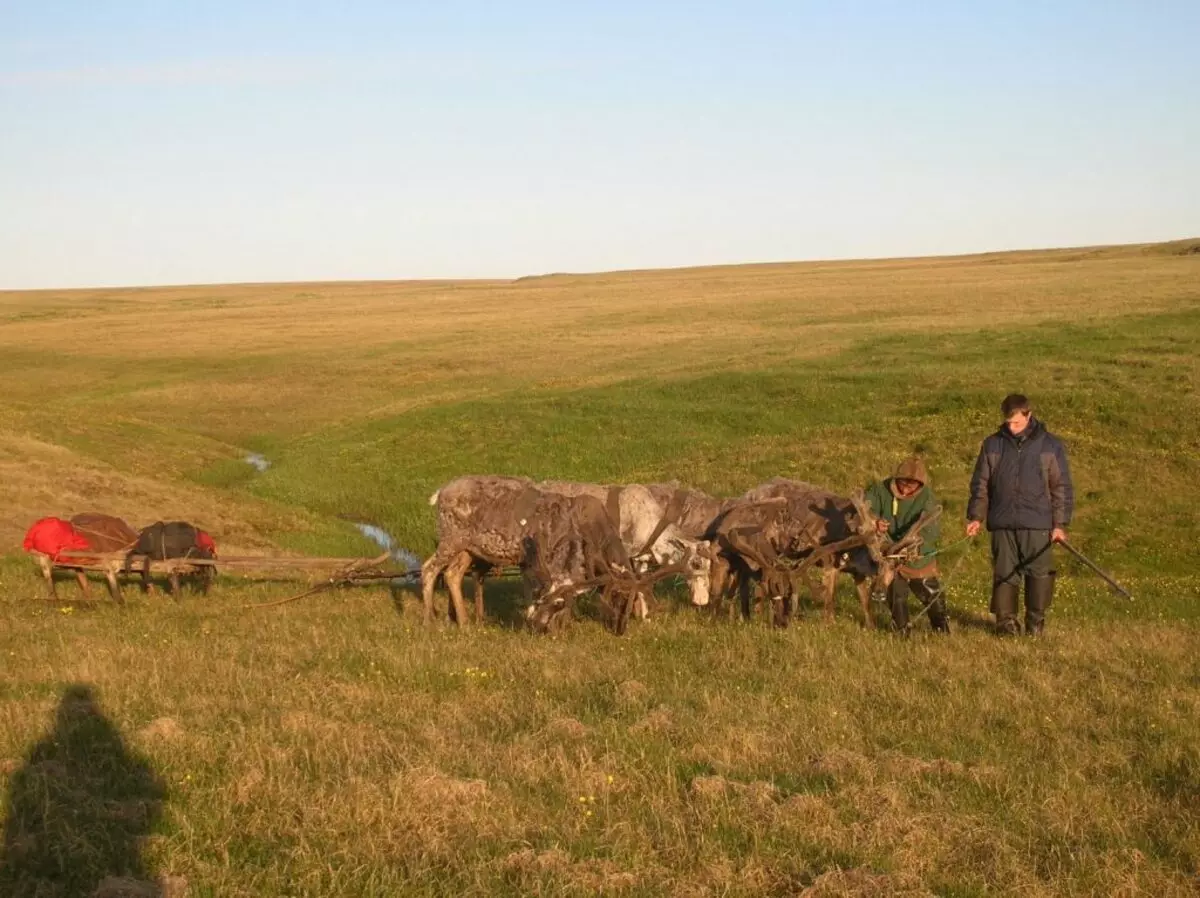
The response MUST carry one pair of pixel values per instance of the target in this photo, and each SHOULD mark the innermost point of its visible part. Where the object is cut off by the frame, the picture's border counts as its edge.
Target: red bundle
(52, 536)
(204, 541)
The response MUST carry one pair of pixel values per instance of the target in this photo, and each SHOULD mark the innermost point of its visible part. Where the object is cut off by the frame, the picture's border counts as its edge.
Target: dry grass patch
(657, 721)
(43, 479)
(864, 884)
(567, 728)
(164, 729)
(127, 887)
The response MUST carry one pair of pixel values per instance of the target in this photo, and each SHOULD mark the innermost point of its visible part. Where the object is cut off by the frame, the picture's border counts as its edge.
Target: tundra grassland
(335, 746)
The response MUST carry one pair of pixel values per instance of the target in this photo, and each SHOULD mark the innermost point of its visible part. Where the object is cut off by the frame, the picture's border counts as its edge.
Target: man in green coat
(898, 502)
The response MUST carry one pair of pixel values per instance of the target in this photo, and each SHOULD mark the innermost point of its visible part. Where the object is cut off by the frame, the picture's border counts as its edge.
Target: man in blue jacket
(1022, 488)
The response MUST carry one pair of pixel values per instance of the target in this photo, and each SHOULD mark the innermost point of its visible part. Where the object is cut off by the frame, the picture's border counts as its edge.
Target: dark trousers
(1021, 553)
(928, 591)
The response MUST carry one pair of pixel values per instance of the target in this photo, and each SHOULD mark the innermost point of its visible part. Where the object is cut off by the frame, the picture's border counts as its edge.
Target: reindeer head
(885, 557)
(699, 564)
(695, 557)
(871, 560)
(864, 524)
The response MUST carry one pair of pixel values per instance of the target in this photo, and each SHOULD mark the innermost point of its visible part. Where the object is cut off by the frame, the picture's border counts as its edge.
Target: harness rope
(357, 571)
(124, 547)
(925, 606)
(952, 545)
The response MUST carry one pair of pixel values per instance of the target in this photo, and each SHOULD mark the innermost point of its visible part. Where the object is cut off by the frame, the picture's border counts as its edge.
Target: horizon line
(703, 266)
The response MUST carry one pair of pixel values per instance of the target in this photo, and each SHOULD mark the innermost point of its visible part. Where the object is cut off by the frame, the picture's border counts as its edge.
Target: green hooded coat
(901, 513)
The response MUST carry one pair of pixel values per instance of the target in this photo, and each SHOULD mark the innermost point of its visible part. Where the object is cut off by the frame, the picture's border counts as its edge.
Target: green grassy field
(334, 746)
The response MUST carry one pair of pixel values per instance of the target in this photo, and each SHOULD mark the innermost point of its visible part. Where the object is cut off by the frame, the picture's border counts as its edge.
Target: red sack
(204, 541)
(50, 536)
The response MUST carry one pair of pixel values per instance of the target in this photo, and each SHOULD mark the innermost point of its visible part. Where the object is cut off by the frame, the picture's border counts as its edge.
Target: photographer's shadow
(78, 809)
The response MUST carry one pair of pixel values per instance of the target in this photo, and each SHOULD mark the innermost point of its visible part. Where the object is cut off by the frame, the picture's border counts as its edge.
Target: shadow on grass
(78, 808)
(969, 620)
(503, 600)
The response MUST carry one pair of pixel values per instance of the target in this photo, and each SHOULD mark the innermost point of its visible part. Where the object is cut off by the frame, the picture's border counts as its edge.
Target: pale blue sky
(156, 142)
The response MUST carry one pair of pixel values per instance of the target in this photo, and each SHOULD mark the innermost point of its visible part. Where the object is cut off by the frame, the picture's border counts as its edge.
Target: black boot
(1004, 606)
(898, 603)
(935, 597)
(1039, 591)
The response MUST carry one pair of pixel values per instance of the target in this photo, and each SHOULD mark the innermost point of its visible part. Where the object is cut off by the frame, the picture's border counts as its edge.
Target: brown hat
(912, 468)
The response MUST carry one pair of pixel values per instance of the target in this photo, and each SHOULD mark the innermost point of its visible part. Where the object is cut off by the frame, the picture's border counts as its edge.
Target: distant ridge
(1188, 246)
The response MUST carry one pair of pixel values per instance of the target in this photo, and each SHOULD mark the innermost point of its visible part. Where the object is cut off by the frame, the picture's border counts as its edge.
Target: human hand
(1058, 535)
(973, 527)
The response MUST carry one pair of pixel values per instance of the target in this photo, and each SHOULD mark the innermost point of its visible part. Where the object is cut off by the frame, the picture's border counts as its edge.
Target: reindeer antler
(912, 539)
(828, 550)
(866, 520)
(872, 539)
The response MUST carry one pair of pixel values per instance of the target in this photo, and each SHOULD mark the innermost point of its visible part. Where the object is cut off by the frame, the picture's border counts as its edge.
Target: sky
(162, 143)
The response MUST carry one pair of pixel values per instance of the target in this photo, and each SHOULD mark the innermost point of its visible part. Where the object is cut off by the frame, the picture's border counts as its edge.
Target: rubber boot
(1004, 606)
(938, 618)
(1039, 592)
(897, 595)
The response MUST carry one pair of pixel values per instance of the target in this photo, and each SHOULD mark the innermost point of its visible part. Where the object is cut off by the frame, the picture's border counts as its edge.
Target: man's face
(1017, 422)
(906, 487)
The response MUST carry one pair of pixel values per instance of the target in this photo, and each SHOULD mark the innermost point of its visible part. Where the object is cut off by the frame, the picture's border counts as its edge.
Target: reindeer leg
(84, 586)
(432, 566)
(718, 580)
(623, 606)
(778, 615)
(563, 614)
(733, 589)
(455, 572)
(527, 587)
(745, 594)
(173, 582)
(480, 573)
(863, 586)
(794, 594)
(782, 602)
(825, 592)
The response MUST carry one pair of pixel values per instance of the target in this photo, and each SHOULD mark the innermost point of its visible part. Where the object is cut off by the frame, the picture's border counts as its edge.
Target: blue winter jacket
(1022, 482)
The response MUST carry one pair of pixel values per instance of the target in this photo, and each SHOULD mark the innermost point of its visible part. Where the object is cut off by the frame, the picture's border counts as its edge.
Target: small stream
(405, 557)
(257, 461)
(384, 540)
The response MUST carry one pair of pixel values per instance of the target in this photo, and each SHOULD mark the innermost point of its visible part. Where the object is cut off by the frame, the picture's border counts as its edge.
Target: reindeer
(785, 528)
(481, 523)
(571, 547)
(648, 530)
